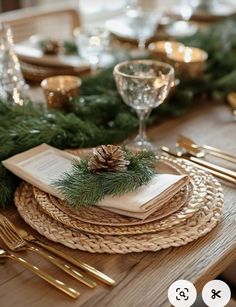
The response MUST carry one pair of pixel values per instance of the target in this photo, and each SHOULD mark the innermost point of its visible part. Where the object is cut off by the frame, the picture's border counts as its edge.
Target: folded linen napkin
(146, 199)
(43, 164)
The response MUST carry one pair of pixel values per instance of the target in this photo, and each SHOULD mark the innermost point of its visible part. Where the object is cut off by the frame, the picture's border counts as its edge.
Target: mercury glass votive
(188, 61)
(161, 49)
(60, 90)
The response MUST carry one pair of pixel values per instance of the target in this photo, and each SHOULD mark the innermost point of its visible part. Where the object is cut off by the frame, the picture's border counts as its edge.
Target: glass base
(139, 144)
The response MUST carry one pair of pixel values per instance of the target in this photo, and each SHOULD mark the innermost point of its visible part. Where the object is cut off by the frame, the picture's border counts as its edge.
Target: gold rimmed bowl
(189, 62)
(162, 49)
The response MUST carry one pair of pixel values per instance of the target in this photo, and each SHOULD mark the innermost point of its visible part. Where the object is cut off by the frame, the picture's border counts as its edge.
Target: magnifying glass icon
(182, 294)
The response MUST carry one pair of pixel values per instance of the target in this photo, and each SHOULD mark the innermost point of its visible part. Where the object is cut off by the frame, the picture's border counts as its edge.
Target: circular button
(182, 293)
(216, 293)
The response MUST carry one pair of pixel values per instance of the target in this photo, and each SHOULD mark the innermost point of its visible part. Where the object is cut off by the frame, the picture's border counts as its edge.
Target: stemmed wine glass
(91, 43)
(143, 21)
(143, 85)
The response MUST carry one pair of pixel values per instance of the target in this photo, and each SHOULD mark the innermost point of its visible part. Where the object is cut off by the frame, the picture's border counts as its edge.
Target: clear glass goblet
(91, 43)
(143, 23)
(143, 85)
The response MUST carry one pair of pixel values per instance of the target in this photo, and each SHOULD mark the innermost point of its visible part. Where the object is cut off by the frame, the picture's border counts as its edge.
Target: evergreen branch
(81, 187)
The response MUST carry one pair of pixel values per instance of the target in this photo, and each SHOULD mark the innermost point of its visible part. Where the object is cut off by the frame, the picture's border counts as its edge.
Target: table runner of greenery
(98, 115)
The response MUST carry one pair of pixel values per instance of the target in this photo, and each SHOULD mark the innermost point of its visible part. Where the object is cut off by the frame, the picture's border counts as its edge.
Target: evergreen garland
(98, 115)
(81, 187)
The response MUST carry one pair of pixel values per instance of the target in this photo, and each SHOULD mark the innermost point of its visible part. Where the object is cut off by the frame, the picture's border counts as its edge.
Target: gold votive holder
(188, 61)
(60, 90)
(162, 49)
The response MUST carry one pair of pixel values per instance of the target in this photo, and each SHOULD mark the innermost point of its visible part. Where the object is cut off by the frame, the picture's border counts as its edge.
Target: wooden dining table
(142, 279)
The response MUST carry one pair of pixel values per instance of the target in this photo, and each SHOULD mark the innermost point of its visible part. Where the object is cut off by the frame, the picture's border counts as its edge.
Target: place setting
(134, 203)
(87, 49)
(79, 167)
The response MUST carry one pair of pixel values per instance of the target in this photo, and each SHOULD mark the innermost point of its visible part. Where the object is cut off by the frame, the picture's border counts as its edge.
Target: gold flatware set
(18, 240)
(187, 149)
(200, 151)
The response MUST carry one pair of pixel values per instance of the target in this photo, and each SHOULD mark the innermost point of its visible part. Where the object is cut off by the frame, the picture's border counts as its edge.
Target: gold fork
(15, 243)
(78, 263)
(48, 278)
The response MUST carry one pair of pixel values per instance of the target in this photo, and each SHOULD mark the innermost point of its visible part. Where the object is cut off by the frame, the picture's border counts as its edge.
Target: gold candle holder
(60, 90)
(162, 49)
(188, 61)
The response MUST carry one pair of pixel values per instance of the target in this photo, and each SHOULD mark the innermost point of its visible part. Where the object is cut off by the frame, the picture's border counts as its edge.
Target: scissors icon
(215, 294)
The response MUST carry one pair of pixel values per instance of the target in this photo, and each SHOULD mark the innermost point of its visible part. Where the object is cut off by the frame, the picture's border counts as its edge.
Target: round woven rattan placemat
(98, 216)
(199, 224)
(96, 220)
(180, 208)
(48, 207)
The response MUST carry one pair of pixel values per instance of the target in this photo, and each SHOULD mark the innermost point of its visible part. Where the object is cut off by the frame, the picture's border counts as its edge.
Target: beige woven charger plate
(199, 224)
(178, 209)
(97, 216)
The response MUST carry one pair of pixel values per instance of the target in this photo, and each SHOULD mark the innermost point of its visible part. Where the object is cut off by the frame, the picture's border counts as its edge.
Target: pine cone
(108, 158)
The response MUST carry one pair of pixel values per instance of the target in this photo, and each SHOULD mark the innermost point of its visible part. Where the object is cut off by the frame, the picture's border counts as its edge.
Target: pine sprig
(81, 187)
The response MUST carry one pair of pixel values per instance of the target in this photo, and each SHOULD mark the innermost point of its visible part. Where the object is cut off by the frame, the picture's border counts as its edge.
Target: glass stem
(141, 44)
(94, 62)
(143, 115)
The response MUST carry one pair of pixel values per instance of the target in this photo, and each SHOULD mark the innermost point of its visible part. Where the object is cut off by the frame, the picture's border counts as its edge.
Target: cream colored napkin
(43, 164)
(146, 199)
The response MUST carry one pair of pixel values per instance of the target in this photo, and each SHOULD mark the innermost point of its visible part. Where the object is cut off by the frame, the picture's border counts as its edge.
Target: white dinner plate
(120, 27)
(30, 51)
(209, 10)
(181, 29)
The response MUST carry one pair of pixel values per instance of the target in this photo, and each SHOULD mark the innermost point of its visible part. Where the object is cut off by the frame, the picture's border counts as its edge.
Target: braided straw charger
(182, 206)
(199, 224)
(96, 220)
(98, 216)
(49, 208)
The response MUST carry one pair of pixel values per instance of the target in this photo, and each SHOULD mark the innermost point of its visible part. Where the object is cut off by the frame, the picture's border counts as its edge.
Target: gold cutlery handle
(219, 153)
(78, 263)
(65, 267)
(215, 173)
(51, 280)
(195, 162)
(214, 167)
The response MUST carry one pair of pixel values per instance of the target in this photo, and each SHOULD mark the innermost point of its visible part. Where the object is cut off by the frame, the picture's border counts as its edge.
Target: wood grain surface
(142, 279)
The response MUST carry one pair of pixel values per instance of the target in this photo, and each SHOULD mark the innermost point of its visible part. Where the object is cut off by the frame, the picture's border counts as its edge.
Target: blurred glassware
(143, 85)
(182, 9)
(12, 84)
(143, 19)
(91, 43)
